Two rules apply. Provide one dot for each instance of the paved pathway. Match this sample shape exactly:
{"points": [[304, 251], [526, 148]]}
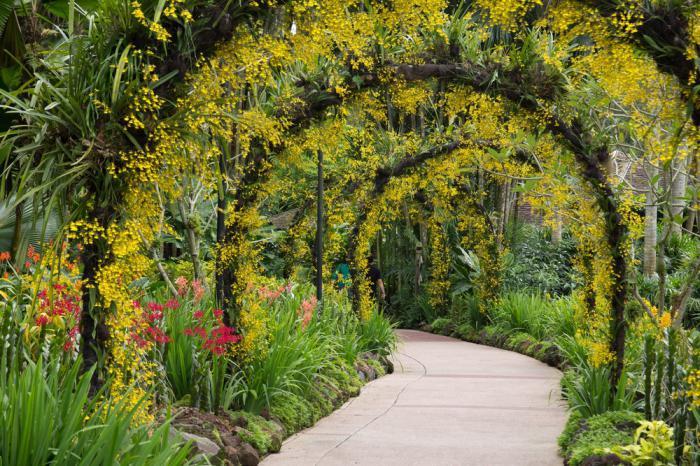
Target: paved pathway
{"points": [[447, 403]]}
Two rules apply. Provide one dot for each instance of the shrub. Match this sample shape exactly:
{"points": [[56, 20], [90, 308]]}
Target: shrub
{"points": [[440, 324], [538, 265]]}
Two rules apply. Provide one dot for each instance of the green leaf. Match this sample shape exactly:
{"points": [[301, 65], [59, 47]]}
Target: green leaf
{"points": [[6, 8], [10, 77]]}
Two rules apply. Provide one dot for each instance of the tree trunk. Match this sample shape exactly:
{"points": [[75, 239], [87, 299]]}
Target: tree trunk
{"points": [[557, 228], [93, 330], [223, 292], [650, 225], [192, 240], [677, 201]]}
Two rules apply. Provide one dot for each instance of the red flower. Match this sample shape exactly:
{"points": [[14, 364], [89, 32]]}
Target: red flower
{"points": [[188, 332], [5, 256], [158, 335], [27, 265], [218, 313], [198, 314], [68, 345], [172, 304], [155, 307], [218, 350], [139, 340], [221, 337], [42, 320]]}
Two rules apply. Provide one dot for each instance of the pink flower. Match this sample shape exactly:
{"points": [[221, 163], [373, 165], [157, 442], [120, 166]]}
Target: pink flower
{"points": [[198, 290], [307, 310], [181, 283]]}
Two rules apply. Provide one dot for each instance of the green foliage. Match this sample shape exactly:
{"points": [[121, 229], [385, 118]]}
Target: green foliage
{"points": [[537, 265], [590, 392], [466, 309], [299, 356], [518, 312], [377, 335], [440, 324], [294, 411], [584, 437], [47, 417], [653, 446]]}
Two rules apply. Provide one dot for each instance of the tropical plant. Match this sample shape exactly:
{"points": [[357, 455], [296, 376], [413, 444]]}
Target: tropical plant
{"points": [[590, 393], [48, 417]]}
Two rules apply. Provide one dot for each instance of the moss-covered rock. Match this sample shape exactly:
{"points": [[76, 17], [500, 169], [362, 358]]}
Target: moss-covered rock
{"points": [[265, 435]]}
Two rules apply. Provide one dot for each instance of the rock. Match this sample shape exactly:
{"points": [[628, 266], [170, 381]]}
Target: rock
{"points": [[231, 454], [203, 444], [276, 441], [241, 431], [230, 440], [602, 460], [265, 414], [369, 355], [247, 455]]}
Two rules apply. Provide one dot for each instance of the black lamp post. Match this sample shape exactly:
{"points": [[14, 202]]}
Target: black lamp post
{"points": [[319, 228]]}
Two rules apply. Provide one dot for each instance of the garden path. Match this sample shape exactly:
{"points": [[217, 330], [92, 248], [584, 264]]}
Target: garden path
{"points": [[447, 403]]}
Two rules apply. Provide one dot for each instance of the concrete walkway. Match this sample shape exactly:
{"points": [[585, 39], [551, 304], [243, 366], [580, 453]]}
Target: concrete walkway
{"points": [[448, 403]]}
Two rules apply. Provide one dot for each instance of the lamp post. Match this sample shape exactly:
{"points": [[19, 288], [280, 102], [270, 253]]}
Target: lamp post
{"points": [[319, 228]]}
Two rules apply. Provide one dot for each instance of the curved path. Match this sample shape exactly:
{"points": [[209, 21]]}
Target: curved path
{"points": [[448, 403]]}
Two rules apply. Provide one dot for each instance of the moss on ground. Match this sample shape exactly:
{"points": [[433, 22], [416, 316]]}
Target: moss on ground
{"points": [[584, 438]]}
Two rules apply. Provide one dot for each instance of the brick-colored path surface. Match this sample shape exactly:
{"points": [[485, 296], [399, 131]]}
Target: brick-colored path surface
{"points": [[448, 403]]}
